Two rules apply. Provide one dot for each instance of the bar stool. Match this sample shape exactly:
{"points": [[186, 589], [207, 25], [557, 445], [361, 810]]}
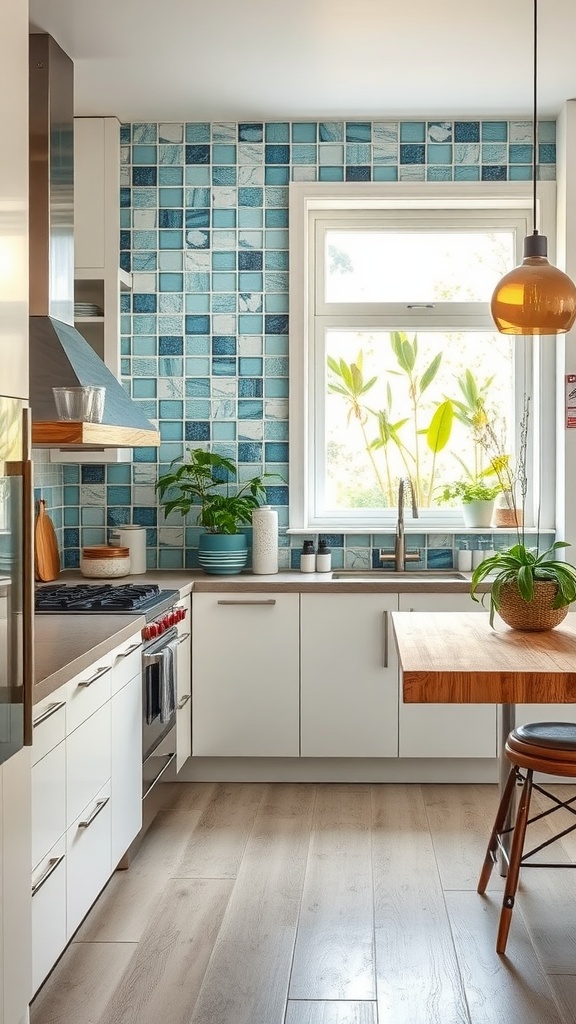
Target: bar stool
{"points": [[543, 747]]}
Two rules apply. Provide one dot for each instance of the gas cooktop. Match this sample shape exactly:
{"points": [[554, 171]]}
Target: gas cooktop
{"points": [[102, 598]]}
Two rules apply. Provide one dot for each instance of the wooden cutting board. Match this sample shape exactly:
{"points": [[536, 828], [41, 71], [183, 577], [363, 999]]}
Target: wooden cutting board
{"points": [[46, 554]]}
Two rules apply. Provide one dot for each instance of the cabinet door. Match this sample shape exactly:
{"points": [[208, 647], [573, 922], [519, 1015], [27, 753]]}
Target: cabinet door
{"points": [[126, 772], [184, 708], [87, 761], [15, 897], [349, 676], [48, 912], [245, 668], [48, 801], [87, 858], [445, 730]]}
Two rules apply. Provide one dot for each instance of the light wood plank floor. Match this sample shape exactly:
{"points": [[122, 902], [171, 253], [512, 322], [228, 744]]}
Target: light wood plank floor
{"points": [[320, 904]]}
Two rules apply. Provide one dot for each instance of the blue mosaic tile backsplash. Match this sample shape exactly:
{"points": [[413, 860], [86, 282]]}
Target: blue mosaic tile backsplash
{"points": [[204, 231]]}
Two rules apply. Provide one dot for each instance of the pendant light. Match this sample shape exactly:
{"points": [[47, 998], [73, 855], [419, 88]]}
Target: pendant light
{"points": [[534, 298]]}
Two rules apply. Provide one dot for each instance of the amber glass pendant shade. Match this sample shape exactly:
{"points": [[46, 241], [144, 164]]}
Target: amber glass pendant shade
{"points": [[534, 298]]}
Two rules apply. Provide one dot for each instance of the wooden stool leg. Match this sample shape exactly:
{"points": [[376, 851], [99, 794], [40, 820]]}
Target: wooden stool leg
{"points": [[490, 857], [514, 865]]}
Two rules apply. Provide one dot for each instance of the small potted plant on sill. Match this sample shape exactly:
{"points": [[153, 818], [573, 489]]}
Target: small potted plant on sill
{"points": [[530, 591], [477, 500], [205, 484]]}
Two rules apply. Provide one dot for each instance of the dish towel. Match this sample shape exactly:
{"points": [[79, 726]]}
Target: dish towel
{"points": [[167, 682]]}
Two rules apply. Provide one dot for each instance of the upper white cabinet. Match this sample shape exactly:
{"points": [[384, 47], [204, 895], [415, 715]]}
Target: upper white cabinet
{"points": [[349, 676], [97, 275], [445, 730], [246, 675]]}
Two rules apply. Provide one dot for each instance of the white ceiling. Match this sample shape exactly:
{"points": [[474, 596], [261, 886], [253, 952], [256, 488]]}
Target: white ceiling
{"points": [[239, 60]]}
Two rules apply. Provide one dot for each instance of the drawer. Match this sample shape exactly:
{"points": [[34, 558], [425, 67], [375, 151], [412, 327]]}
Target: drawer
{"points": [[48, 912], [48, 801], [87, 692], [88, 760], [49, 721], [88, 863], [126, 662]]}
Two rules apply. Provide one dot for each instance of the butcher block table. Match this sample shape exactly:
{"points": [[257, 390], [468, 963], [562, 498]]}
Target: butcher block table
{"points": [[457, 658]]}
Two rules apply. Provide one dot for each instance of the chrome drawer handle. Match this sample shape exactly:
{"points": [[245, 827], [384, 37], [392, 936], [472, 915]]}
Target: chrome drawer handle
{"points": [[50, 710], [271, 600], [98, 675], [100, 805], [182, 638], [53, 863], [384, 639], [129, 650], [184, 701]]}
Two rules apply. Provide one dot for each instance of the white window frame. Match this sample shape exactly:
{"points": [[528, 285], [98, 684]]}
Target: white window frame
{"points": [[310, 203]]}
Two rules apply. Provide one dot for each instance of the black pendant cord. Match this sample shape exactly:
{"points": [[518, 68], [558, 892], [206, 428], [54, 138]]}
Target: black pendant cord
{"points": [[535, 120]]}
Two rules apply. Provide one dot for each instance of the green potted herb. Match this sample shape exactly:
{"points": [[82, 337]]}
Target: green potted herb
{"points": [[477, 499], [205, 484]]}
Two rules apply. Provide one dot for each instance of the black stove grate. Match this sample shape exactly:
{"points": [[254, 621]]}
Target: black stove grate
{"points": [[104, 597]]}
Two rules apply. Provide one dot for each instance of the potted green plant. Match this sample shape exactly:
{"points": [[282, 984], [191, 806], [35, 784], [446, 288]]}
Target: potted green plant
{"points": [[477, 499], [205, 483], [530, 591]]}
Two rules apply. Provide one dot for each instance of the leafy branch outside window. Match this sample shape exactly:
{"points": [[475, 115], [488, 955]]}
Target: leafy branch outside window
{"points": [[399, 444]]}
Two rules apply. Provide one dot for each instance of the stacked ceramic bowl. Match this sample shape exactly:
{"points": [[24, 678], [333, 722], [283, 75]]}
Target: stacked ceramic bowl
{"points": [[222, 554]]}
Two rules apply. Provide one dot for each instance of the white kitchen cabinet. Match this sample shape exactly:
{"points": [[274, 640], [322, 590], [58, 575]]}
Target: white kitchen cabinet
{"points": [[445, 730], [48, 801], [184, 695], [86, 794], [126, 766], [349, 676], [88, 858], [15, 868], [48, 911], [245, 666], [97, 276], [88, 761]]}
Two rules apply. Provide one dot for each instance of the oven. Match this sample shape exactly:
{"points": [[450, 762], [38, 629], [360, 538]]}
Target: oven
{"points": [[159, 695]]}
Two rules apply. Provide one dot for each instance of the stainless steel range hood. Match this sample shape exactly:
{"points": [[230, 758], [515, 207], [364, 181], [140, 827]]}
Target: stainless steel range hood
{"points": [[59, 355]]}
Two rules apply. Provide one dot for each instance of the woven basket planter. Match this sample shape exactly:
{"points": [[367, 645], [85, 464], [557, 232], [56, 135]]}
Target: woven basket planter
{"points": [[532, 616]]}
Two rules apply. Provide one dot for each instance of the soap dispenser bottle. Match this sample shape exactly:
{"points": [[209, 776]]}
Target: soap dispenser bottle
{"points": [[323, 557], [308, 557]]}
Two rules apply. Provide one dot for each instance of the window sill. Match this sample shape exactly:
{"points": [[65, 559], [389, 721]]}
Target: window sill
{"points": [[415, 528]]}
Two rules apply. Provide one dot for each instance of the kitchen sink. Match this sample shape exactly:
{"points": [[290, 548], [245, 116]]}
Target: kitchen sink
{"points": [[406, 575]]}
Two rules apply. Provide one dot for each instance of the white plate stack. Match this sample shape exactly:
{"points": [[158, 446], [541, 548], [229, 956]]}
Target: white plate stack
{"points": [[82, 309]]}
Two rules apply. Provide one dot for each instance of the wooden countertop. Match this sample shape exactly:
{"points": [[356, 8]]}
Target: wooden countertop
{"points": [[456, 657]]}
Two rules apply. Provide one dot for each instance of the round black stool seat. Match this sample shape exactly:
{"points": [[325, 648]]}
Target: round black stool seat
{"points": [[553, 735]]}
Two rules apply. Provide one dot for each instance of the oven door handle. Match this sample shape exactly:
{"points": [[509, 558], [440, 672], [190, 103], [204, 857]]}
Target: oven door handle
{"points": [[167, 761], [182, 638]]}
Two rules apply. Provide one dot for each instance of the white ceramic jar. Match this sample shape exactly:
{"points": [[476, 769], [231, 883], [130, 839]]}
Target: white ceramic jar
{"points": [[104, 562]]}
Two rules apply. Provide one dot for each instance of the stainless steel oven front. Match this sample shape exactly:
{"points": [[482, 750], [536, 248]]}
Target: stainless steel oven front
{"points": [[159, 695]]}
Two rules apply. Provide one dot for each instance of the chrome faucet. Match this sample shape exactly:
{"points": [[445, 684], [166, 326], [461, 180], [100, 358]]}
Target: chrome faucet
{"points": [[400, 556]]}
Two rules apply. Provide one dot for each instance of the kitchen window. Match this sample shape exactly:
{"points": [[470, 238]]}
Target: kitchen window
{"points": [[393, 352]]}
